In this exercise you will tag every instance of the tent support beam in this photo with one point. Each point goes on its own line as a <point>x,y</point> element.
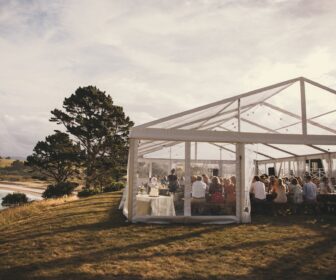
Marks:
<point>187,187</point>
<point>303,107</point>
<point>218,103</point>
<point>232,151</point>
<point>132,183</point>
<point>230,136</point>
<point>298,158</point>
<point>281,150</point>
<point>298,117</point>
<point>319,85</point>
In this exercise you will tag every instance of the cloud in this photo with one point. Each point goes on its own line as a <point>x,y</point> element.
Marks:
<point>154,58</point>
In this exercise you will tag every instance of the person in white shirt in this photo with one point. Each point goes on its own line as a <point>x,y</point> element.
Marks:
<point>258,189</point>
<point>198,188</point>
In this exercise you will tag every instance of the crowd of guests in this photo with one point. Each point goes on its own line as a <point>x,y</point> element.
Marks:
<point>282,190</point>
<point>215,189</point>
<point>222,191</point>
<point>204,188</point>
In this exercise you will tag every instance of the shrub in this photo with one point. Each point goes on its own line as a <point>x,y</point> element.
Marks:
<point>59,190</point>
<point>14,198</point>
<point>115,186</point>
<point>88,192</point>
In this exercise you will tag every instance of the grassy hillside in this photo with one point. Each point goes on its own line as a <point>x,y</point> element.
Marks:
<point>89,239</point>
<point>5,162</point>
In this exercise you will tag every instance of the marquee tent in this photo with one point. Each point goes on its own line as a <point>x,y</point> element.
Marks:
<point>282,126</point>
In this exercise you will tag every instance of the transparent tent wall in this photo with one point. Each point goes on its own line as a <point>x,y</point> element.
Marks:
<point>154,196</point>
<point>213,178</point>
<point>160,193</point>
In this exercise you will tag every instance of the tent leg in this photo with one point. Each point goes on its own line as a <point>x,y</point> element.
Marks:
<point>132,183</point>
<point>187,182</point>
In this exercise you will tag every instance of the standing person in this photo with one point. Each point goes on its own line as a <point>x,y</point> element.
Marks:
<point>230,195</point>
<point>264,179</point>
<point>206,180</point>
<point>173,183</point>
<point>198,189</point>
<point>324,186</point>
<point>281,192</point>
<point>216,190</point>
<point>258,189</point>
<point>309,190</point>
<point>296,191</point>
<point>259,194</point>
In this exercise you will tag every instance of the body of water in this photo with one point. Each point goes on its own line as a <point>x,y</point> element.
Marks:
<point>3,193</point>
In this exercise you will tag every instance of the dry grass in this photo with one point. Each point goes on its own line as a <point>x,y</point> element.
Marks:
<point>5,162</point>
<point>89,239</point>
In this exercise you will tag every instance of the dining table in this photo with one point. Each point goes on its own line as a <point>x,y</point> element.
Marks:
<point>161,205</point>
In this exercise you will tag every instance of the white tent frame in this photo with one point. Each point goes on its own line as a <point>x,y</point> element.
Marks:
<point>145,139</point>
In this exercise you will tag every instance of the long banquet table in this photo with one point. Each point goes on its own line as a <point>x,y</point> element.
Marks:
<point>155,206</point>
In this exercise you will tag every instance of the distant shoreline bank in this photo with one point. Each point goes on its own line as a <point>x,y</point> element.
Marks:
<point>31,188</point>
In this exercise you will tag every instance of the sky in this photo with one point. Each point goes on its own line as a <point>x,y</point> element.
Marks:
<point>154,58</point>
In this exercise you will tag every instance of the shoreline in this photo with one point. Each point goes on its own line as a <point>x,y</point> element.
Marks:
<point>29,188</point>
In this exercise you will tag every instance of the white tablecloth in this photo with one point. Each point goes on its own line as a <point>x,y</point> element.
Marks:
<point>156,206</point>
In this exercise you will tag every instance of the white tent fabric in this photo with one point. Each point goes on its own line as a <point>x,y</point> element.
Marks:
<point>288,123</point>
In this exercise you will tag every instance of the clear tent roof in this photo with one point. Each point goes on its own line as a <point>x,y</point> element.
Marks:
<point>274,109</point>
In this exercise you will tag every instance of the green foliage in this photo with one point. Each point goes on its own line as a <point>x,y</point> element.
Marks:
<point>59,190</point>
<point>88,192</point>
<point>14,198</point>
<point>17,165</point>
<point>102,129</point>
<point>57,157</point>
<point>116,186</point>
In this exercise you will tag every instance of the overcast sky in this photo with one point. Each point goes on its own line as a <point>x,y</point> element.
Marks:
<point>154,58</point>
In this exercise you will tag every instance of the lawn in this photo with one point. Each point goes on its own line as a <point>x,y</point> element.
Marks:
<point>89,239</point>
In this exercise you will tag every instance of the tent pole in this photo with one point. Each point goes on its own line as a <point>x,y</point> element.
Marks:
<point>132,184</point>
<point>303,107</point>
<point>330,167</point>
<point>220,163</point>
<point>239,115</point>
<point>150,169</point>
<point>187,181</point>
<point>240,182</point>
<point>196,151</point>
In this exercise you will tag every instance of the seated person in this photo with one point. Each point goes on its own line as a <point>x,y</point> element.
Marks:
<point>258,189</point>
<point>280,191</point>
<point>216,190</point>
<point>198,189</point>
<point>309,190</point>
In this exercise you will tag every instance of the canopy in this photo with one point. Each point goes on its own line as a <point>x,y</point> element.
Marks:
<point>294,119</point>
